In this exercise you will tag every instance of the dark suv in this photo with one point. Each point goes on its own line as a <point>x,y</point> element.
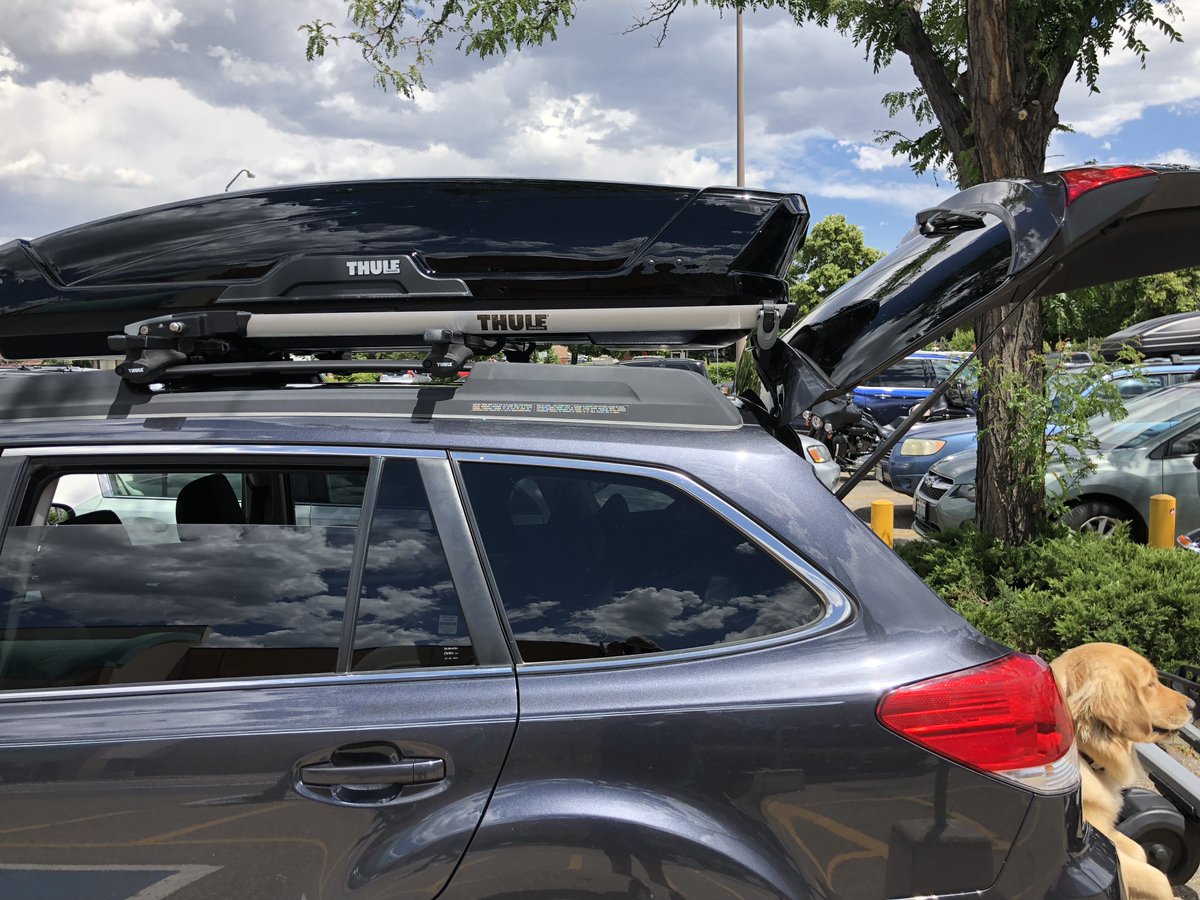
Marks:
<point>549,632</point>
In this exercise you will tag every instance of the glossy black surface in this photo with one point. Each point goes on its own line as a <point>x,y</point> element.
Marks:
<point>1030,242</point>
<point>513,244</point>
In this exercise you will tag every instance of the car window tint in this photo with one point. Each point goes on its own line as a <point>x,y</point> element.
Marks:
<point>220,587</point>
<point>409,614</point>
<point>160,485</point>
<point>944,368</point>
<point>1135,386</point>
<point>1186,444</point>
<point>624,564</point>
<point>906,373</point>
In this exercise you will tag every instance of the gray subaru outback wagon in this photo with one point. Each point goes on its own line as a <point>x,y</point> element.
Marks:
<point>545,631</point>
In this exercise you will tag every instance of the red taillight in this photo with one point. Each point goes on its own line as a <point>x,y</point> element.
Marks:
<point>1080,181</point>
<point>1000,717</point>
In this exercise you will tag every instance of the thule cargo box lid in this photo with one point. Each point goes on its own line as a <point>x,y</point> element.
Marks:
<point>650,265</point>
<point>1164,336</point>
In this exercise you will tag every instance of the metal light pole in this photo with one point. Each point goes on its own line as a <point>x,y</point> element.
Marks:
<point>249,174</point>
<point>741,111</point>
<point>740,346</point>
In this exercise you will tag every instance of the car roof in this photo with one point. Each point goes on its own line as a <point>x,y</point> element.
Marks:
<point>640,397</point>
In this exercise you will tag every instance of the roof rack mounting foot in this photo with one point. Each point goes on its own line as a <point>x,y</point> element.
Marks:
<point>772,319</point>
<point>520,352</point>
<point>449,350</point>
<point>154,345</point>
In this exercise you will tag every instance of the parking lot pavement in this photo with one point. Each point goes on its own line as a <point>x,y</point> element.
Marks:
<point>859,501</point>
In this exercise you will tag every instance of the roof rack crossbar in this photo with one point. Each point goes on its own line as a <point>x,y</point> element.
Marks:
<point>451,337</point>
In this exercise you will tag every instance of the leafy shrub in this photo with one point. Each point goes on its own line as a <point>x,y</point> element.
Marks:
<point>721,371</point>
<point>1061,589</point>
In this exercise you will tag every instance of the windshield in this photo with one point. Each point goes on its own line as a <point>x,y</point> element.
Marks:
<point>1147,418</point>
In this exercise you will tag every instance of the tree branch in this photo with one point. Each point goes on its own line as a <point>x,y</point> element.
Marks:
<point>912,40</point>
<point>658,13</point>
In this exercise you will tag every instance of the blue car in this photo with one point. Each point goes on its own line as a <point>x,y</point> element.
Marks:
<point>903,468</point>
<point>889,395</point>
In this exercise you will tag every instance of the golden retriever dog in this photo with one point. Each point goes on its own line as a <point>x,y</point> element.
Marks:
<point>1116,700</point>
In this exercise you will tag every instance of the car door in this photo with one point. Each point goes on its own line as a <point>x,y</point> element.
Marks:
<point>238,705</point>
<point>1181,479</point>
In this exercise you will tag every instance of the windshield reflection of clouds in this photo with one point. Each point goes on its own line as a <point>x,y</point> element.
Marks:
<point>251,585</point>
<point>675,619</point>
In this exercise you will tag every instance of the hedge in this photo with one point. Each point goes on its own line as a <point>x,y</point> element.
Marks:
<point>1061,589</point>
<point>721,371</point>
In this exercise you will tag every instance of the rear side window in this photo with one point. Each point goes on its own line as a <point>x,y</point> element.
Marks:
<point>177,575</point>
<point>909,373</point>
<point>619,564</point>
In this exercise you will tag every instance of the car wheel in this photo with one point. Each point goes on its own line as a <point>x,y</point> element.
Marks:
<point>1095,516</point>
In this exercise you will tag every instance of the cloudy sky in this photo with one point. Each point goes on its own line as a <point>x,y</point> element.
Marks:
<point>110,105</point>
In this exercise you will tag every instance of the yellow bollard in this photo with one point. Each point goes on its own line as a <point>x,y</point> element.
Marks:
<point>883,513</point>
<point>1162,521</point>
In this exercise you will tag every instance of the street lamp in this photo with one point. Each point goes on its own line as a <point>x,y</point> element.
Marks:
<point>249,174</point>
<point>739,346</point>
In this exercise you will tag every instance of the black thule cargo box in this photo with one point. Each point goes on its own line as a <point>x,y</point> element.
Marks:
<point>493,257</point>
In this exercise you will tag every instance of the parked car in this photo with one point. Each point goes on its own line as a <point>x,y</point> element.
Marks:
<point>1161,336</point>
<point>904,467</point>
<point>1070,359</point>
<point>892,393</point>
<point>586,631</point>
<point>827,468</point>
<point>1153,450</point>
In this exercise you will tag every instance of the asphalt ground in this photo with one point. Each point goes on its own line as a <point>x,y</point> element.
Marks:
<point>868,490</point>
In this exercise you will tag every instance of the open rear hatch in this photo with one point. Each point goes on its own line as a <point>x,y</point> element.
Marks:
<point>989,245</point>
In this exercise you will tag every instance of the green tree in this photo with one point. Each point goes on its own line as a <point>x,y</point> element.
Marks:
<point>1099,311</point>
<point>989,74</point>
<point>833,253</point>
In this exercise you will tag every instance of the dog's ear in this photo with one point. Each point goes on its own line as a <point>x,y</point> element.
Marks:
<point>1103,697</point>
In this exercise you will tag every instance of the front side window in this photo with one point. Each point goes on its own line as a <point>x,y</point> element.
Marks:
<point>1186,444</point>
<point>623,564</point>
<point>217,573</point>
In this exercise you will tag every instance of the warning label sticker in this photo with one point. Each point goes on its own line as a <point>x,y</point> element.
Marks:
<point>553,409</point>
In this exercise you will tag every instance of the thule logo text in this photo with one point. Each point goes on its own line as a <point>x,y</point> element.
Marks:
<point>373,267</point>
<point>512,321</point>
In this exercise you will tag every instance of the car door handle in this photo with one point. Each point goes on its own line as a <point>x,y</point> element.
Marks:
<point>409,771</point>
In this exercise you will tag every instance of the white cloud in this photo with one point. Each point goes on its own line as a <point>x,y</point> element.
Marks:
<point>873,157</point>
<point>1171,77</point>
<point>108,28</point>
<point>248,72</point>
<point>908,196</point>
<point>1178,156</point>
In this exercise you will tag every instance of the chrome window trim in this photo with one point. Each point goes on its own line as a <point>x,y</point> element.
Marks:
<point>225,450</point>
<point>323,679</point>
<point>838,606</point>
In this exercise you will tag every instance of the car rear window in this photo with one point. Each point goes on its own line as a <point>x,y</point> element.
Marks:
<point>597,564</point>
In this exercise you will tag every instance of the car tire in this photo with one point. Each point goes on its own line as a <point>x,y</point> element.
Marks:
<point>1096,516</point>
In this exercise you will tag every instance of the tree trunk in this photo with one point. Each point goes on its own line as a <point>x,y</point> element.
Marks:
<point>1009,498</point>
<point>1009,142</point>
